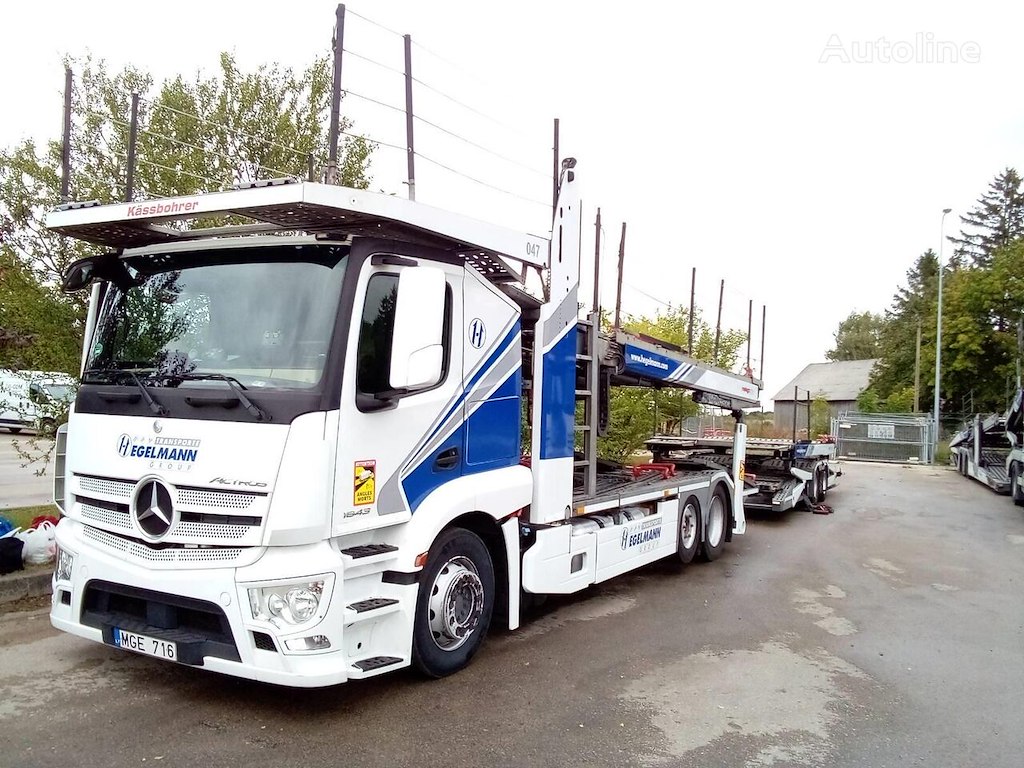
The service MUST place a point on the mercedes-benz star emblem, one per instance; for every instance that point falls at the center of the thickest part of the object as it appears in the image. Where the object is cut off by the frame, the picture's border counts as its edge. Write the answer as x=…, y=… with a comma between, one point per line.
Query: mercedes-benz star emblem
x=153, y=508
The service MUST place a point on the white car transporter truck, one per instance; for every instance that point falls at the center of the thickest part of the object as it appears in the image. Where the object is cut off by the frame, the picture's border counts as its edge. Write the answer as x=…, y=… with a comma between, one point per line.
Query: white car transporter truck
x=296, y=457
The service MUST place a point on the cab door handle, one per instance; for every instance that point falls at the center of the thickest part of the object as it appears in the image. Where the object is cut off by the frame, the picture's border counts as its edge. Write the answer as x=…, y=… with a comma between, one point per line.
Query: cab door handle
x=447, y=459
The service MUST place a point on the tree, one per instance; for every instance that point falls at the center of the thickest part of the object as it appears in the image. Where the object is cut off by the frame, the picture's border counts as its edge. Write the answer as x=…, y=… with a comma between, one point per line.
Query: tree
x=858, y=337
x=37, y=328
x=913, y=306
x=868, y=401
x=195, y=135
x=996, y=221
x=821, y=416
x=636, y=412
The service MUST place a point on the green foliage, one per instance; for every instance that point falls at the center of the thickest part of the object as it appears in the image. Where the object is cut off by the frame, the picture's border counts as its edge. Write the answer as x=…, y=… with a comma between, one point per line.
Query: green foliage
x=900, y=401
x=868, y=401
x=636, y=413
x=195, y=134
x=858, y=337
x=38, y=330
x=821, y=416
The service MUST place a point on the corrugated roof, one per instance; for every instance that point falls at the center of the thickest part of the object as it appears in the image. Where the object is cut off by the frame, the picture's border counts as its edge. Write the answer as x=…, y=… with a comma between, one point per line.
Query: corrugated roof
x=842, y=380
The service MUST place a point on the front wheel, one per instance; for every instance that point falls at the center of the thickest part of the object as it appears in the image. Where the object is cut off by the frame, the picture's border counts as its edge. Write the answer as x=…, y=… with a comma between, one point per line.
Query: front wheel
x=1015, y=489
x=718, y=519
x=455, y=602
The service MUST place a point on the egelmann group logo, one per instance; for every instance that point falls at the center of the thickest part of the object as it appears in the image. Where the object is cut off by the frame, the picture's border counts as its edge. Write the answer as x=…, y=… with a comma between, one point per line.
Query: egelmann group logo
x=162, y=452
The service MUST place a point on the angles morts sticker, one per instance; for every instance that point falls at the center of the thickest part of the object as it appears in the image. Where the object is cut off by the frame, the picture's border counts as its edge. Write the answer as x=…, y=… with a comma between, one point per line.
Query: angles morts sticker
x=365, y=486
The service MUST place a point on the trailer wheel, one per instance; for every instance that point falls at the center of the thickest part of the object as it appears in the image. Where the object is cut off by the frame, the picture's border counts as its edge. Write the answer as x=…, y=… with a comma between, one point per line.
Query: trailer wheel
x=718, y=519
x=689, y=530
x=455, y=602
x=812, y=489
x=14, y=430
x=1015, y=490
x=822, y=474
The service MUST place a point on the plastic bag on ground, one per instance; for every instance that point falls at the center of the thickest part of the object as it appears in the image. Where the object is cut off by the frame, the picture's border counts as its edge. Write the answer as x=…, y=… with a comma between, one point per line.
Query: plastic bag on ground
x=40, y=544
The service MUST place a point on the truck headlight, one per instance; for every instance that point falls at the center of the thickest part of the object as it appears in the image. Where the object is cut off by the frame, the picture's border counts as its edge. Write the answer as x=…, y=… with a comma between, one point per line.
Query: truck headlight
x=293, y=603
x=65, y=562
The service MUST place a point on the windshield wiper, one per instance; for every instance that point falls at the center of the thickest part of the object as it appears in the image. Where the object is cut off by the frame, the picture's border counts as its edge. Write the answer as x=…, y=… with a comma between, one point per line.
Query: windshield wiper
x=236, y=386
x=113, y=374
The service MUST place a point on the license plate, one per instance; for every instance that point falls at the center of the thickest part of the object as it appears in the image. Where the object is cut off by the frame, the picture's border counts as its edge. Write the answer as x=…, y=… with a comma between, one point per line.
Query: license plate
x=150, y=646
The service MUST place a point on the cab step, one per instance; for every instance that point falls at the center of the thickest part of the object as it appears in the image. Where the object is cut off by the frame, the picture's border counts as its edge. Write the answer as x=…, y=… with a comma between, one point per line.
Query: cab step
x=368, y=550
x=374, y=665
x=373, y=608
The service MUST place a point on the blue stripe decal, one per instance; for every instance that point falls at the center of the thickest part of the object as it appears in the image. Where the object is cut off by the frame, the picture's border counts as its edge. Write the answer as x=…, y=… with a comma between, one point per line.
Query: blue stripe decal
x=489, y=439
x=493, y=430
x=495, y=356
x=558, y=393
x=424, y=477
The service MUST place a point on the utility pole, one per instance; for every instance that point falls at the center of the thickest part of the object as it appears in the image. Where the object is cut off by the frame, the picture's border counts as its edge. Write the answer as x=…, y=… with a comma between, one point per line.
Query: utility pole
x=917, y=370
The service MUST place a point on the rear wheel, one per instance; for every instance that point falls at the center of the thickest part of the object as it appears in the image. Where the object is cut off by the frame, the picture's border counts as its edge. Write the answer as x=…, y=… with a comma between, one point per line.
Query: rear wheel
x=1015, y=489
x=455, y=602
x=14, y=430
x=689, y=530
x=718, y=519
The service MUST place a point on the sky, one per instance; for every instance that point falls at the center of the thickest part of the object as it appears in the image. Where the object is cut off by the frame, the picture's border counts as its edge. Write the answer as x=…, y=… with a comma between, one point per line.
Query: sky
x=800, y=151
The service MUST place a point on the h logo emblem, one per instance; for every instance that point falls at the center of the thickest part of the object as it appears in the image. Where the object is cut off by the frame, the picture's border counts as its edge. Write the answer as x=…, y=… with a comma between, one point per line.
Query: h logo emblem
x=477, y=333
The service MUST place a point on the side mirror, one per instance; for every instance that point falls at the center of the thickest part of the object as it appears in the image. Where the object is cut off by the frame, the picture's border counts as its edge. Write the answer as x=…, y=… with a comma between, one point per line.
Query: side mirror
x=79, y=275
x=105, y=266
x=417, y=343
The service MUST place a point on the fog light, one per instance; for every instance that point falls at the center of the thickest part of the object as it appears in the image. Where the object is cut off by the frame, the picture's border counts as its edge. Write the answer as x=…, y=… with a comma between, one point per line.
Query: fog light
x=311, y=643
x=65, y=564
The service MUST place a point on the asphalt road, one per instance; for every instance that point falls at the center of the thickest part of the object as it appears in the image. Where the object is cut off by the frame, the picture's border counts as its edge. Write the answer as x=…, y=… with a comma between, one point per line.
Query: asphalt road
x=20, y=486
x=890, y=633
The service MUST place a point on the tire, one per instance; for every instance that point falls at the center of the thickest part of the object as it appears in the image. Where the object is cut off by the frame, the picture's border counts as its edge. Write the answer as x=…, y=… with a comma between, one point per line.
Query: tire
x=689, y=530
x=718, y=520
x=1015, y=490
x=813, y=490
x=822, y=483
x=455, y=603
x=14, y=430
x=47, y=428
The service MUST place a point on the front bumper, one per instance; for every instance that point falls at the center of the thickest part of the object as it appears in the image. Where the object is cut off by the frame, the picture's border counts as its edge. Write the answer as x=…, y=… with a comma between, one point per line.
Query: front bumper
x=207, y=611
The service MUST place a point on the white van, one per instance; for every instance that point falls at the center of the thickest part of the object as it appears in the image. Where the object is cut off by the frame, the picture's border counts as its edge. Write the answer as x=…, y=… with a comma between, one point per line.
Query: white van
x=34, y=399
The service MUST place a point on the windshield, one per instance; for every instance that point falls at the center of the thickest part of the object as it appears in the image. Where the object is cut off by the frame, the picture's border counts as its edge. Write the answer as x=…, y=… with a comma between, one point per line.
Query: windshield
x=263, y=316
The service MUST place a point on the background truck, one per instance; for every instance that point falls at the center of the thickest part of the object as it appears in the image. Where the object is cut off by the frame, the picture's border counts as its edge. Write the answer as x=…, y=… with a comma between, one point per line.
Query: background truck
x=778, y=473
x=296, y=456
x=1014, y=424
x=981, y=450
x=34, y=400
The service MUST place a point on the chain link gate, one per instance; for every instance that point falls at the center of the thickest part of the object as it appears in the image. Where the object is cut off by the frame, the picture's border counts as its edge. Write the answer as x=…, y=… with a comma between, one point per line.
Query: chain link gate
x=901, y=437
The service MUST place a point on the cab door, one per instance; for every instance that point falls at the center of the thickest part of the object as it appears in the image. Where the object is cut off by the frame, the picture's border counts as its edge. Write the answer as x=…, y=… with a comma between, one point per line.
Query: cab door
x=395, y=448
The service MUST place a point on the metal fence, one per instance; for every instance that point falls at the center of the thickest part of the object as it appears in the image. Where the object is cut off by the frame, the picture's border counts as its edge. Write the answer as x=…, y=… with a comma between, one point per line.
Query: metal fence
x=902, y=437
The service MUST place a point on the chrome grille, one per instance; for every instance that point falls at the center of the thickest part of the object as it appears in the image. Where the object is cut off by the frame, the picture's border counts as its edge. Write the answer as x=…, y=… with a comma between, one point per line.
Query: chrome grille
x=109, y=517
x=207, y=531
x=119, y=488
x=194, y=497
x=139, y=551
